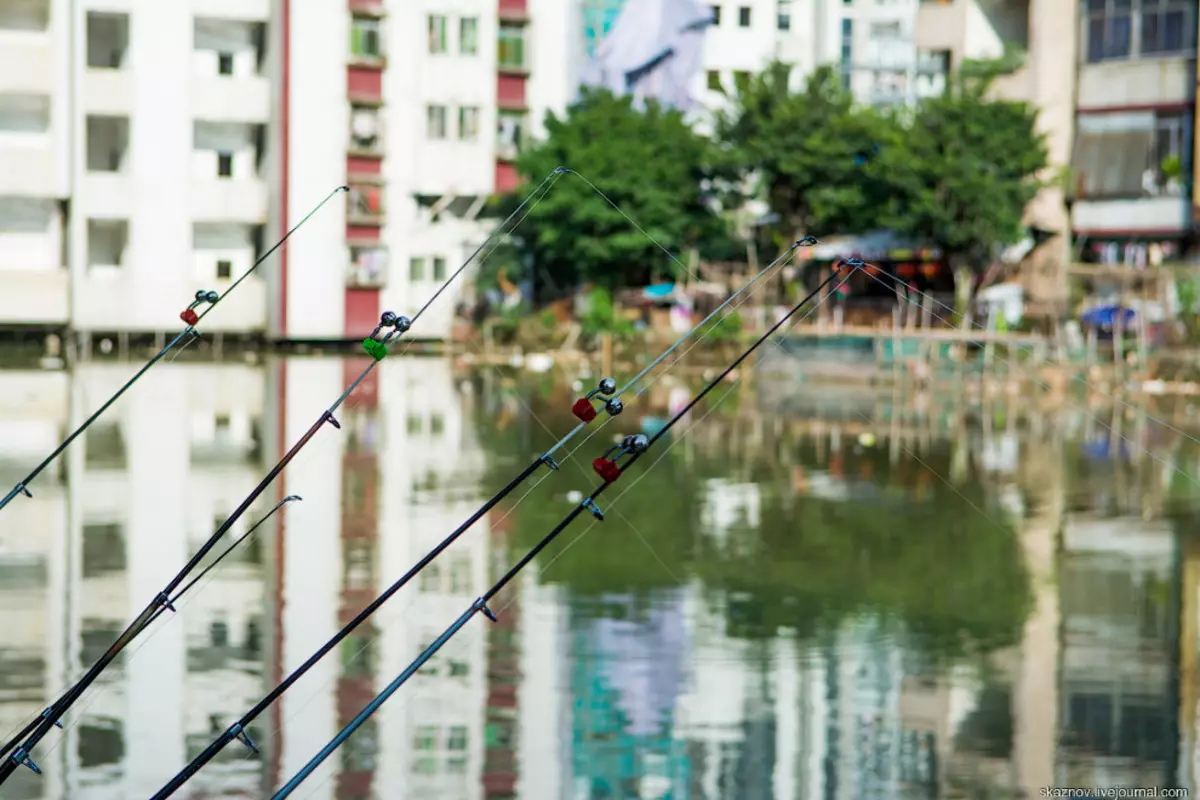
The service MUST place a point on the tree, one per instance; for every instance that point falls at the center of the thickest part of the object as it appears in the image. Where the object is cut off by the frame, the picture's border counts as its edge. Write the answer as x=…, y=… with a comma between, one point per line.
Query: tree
x=968, y=168
x=649, y=162
x=804, y=153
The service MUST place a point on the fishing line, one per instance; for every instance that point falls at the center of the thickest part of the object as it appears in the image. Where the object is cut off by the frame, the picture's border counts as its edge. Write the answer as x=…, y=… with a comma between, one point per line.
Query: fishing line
x=594, y=432
x=378, y=349
x=583, y=409
x=207, y=298
x=1030, y=375
x=610, y=469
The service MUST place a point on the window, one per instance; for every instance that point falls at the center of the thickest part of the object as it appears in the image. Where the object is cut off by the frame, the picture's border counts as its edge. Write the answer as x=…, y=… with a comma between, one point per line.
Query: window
x=222, y=424
x=847, y=50
x=714, y=81
x=783, y=15
x=103, y=549
x=366, y=40
x=511, y=46
x=1131, y=153
x=224, y=269
x=510, y=131
x=225, y=165
x=425, y=738
x=437, y=423
x=468, y=123
x=430, y=579
x=439, y=269
x=458, y=669
x=744, y=17
x=224, y=63
x=457, y=740
x=741, y=80
x=1109, y=29
x=468, y=36
x=716, y=15
x=416, y=272
x=435, y=122
x=437, y=33
x=1168, y=26
x=460, y=575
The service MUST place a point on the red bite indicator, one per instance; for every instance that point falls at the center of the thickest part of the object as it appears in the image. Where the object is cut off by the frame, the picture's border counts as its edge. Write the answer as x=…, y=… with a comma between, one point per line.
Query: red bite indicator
x=189, y=316
x=607, y=469
x=584, y=410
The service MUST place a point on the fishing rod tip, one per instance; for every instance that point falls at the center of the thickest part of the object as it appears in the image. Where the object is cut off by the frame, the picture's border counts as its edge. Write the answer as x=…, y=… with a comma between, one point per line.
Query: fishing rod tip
x=806, y=241
x=343, y=188
x=292, y=497
x=560, y=170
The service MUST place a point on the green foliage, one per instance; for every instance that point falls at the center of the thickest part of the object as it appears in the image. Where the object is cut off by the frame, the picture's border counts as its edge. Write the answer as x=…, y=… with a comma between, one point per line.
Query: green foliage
x=650, y=163
x=601, y=316
x=803, y=152
x=922, y=557
x=723, y=329
x=968, y=168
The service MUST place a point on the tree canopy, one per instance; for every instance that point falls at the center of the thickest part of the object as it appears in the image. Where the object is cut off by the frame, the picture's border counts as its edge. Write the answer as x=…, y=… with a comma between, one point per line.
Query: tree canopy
x=651, y=164
x=806, y=153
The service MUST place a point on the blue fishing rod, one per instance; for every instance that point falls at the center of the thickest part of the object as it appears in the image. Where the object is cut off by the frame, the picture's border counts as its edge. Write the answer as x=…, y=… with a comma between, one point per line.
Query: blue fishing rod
x=204, y=299
x=609, y=467
x=583, y=408
x=390, y=329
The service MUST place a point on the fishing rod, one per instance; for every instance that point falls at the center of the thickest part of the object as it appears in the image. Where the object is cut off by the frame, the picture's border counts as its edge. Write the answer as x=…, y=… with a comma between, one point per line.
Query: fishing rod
x=206, y=299
x=50, y=713
x=582, y=409
x=609, y=468
x=393, y=326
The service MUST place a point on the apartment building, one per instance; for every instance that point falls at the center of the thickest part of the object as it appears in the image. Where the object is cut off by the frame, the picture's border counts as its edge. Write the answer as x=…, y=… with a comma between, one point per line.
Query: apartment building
x=1133, y=131
x=133, y=169
x=148, y=151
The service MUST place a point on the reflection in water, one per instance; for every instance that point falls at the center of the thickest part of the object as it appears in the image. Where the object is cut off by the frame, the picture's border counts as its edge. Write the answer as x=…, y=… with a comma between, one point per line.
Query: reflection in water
x=811, y=594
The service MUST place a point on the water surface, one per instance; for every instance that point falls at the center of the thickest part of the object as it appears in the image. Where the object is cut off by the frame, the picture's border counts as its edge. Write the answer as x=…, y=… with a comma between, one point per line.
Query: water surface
x=804, y=593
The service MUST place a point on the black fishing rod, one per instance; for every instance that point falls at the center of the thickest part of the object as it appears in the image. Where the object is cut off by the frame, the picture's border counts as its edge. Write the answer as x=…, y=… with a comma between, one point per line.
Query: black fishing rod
x=610, y=469
x=207, y=299
x=583, y=409
x=393, y=327
x=131, y=632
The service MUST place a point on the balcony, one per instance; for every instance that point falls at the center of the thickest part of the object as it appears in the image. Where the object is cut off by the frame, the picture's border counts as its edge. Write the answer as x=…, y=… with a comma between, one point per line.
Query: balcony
x=231, y=99
x=27, y=167
x=367, y=135
x=108, y=92
x=1141, y=215
x=26, y=62
x=514, y=10
x=365, y=205
x=1136, y=82
x=942, y=25
x=217, y=200
x=33, y=297
x=368, y=268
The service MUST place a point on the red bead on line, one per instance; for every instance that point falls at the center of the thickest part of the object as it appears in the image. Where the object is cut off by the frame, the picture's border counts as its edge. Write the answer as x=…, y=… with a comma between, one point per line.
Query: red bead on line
x=189, y=316
x=606, y=469
x=584, y=410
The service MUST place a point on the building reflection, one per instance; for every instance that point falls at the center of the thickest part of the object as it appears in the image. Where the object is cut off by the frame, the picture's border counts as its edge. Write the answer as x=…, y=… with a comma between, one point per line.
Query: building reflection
x=610, y=696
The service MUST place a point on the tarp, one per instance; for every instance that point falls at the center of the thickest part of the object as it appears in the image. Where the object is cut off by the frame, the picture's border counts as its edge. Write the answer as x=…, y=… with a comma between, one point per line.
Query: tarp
x=1107, y=316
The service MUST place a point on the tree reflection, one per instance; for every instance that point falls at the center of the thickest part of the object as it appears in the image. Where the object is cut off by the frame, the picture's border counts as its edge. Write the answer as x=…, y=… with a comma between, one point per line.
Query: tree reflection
x=832, y=534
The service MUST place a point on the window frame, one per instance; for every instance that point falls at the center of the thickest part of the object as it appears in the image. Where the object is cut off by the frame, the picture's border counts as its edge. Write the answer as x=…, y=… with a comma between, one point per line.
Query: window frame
x=437, y=33
x=470, y=24
x=512, y=36
x=1120, y=30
